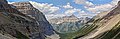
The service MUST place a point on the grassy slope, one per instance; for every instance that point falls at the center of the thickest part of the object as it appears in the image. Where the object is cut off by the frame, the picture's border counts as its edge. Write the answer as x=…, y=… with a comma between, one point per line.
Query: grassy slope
x=81, y=32
x=20, y=35
x=112, y=34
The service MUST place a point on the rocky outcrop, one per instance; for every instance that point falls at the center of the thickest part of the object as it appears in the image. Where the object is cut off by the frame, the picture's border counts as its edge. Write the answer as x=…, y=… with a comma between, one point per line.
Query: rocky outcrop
x=15, y=24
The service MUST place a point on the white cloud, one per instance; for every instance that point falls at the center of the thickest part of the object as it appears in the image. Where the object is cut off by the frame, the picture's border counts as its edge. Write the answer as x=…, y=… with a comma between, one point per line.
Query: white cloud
x=72, y=11
x=68, y=6
x=84, y=2
x=10, y=2
x=79, y=1
x=114, y=2
x=69, y=12
x=49, y=8
x=53, y=9
x=50, y=16
x=45, y=7
x=80, y=13
x=89, y=3
x=101, y=8
x=85, y=15
x=97, y=8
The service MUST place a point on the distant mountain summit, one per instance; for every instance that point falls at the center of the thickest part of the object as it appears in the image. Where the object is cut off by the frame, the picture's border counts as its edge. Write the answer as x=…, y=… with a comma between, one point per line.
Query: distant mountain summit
x=68, y=23
x=71, y=18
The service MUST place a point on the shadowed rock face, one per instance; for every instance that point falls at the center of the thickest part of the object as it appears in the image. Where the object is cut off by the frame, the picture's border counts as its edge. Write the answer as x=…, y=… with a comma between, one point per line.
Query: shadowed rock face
x=3, y=1
x=27, y=9
x=14, y=24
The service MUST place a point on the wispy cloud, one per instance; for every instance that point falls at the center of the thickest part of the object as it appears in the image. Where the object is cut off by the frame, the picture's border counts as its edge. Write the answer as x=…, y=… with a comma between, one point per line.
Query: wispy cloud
x=45, y=7
x=84, y=2
x=67, y=6
x=102, y=7
x=97, y=8
x=50, y=11
x=72, y=11
x=88, y=8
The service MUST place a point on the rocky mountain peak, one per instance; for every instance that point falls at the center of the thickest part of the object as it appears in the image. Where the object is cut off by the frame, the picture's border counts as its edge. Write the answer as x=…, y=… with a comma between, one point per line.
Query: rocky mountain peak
x=27, y=9
x=118, y=3
x=23, y=4
x=71, y=16
x=4, y=5
x=3, y=1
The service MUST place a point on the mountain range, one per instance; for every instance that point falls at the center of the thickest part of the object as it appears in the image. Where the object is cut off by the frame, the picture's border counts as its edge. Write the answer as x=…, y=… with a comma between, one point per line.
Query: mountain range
x=105, y=25
x=21, y=20
x=68, y=23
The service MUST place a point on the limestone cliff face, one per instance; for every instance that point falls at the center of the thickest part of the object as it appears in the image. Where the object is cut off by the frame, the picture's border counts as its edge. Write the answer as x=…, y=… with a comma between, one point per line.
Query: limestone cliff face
x=17, y=25
x=71, y=18
x=27, y=9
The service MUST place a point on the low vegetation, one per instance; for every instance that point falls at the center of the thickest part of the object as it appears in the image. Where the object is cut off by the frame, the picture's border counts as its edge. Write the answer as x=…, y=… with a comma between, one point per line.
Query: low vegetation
x=112, y=34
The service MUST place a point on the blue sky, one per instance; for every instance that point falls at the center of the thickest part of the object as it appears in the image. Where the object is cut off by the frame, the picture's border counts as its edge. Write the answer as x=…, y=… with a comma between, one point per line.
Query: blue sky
x=64, y=2
x=86, y=6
